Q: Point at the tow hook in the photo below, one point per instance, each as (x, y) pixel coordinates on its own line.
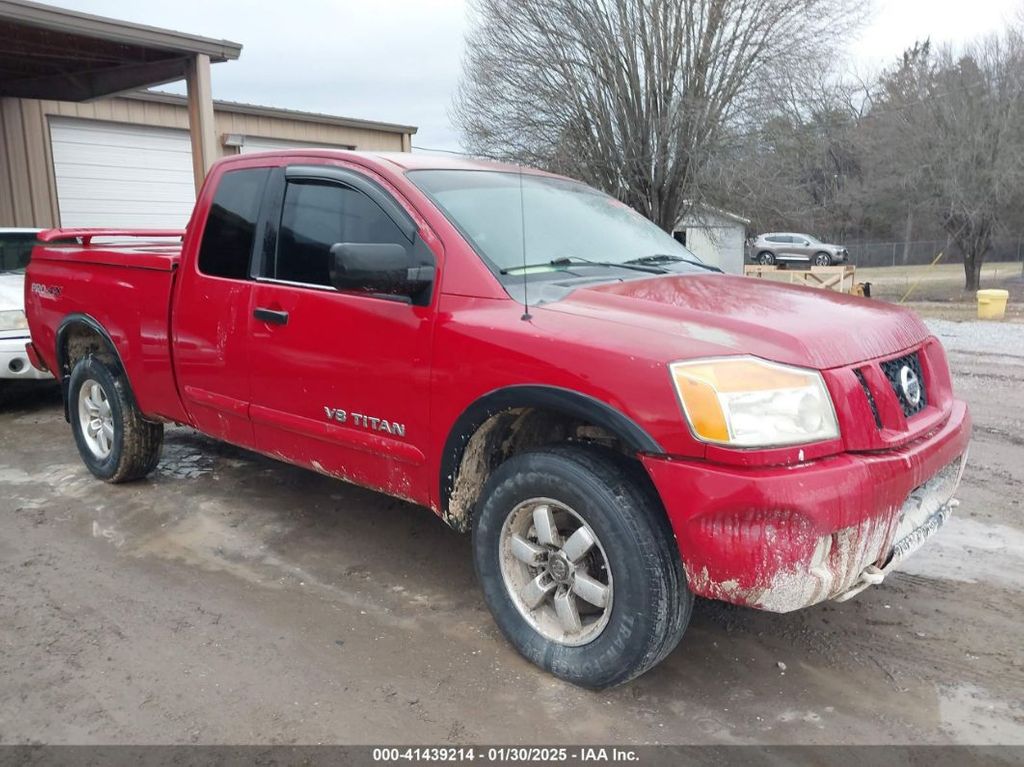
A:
(870, 576)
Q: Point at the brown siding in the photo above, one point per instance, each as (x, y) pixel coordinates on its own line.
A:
(25, 180)
(27, 189)
(259, 126)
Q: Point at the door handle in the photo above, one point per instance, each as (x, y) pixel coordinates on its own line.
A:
(271, 316)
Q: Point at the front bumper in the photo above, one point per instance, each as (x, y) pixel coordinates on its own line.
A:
(784, 537)
(15, 364)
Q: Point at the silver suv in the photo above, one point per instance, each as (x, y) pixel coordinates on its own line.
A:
(790, 246)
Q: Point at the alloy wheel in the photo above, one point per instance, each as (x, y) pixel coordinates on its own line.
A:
(95, 418)
(556, 571)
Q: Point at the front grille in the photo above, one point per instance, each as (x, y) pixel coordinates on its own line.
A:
(870, 396)
(893, 370)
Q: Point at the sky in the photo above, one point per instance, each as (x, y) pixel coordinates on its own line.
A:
(400, 60)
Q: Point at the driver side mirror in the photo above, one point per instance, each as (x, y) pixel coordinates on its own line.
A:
(386, 268)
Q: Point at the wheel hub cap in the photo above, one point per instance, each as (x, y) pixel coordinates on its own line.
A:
(560, 568)
(95, 418)
(556, 571)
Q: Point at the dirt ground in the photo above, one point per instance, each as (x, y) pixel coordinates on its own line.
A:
(232, 599)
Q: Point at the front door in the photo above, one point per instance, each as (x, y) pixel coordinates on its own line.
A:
(339, 379)
(785, 250)
(801, 248)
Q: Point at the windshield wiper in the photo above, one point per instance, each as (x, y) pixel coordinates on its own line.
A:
(664, 258)
(570, 260)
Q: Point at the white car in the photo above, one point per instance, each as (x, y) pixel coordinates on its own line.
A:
(15, 249)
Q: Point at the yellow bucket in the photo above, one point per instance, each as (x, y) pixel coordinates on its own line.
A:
(992, 304)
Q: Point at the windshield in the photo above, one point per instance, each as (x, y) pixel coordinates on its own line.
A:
(565, 221)
(15, 249)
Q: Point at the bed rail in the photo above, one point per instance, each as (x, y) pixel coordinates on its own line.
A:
(86, 235)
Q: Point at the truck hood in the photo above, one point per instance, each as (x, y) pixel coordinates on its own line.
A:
(12, 291)
(712, 315)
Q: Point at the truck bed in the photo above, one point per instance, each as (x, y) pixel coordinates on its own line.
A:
(131, 248)
(122, 280)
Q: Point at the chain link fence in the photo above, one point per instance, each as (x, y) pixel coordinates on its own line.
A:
(923, 252)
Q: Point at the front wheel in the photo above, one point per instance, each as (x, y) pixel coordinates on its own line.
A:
(823, 259)
(115, 442)
(579, 565)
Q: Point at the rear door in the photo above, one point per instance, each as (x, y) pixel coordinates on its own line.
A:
(339, 379)
(210, 318)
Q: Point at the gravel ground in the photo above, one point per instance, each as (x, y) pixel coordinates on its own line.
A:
(233, 599)
(1002, 338)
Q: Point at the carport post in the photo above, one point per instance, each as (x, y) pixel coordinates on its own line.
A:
(200, 117)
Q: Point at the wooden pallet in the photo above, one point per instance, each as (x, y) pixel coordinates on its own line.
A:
(842, 279)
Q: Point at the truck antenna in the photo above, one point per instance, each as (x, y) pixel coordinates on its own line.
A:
(522, 219)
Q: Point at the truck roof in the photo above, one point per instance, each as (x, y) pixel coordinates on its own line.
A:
(406, 160)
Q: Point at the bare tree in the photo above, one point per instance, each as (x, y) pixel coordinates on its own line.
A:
(948, 131)
(635, 96)
(800, 168)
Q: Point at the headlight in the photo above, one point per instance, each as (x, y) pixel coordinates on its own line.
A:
(747, 402)
(14, 320)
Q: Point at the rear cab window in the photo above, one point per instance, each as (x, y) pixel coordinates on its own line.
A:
(230, 230)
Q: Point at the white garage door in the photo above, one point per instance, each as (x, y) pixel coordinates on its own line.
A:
(117, 175)
(253, 144)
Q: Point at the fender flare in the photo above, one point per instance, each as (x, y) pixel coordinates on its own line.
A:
(66, 324)
(554, 398)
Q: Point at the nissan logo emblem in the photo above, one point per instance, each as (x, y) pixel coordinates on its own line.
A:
(911, 385)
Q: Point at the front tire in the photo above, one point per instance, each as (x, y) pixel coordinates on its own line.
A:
(579, 566)
(115, 442)
(823, 259)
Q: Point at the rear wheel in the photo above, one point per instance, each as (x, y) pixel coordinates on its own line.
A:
(822, 259)
(766, 258)
(579, 565)
(115, 442)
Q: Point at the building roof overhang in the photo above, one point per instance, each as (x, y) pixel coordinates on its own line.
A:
(54, 53)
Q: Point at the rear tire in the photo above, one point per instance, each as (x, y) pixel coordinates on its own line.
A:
(637, 603)
(766, 258)
(116, 443)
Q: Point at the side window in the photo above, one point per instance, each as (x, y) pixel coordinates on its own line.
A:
(317, 215)
(231, 225)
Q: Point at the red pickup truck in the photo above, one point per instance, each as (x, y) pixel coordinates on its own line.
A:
(621, 426)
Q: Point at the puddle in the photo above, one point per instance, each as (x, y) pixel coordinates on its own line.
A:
(969, 551)
(202, 535)
(184, 459)
(212, 537)
(11, 476)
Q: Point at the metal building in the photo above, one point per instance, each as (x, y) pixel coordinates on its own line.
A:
(74, 154)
